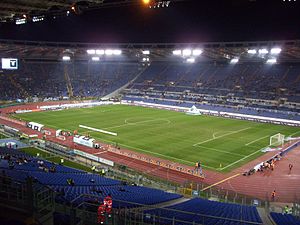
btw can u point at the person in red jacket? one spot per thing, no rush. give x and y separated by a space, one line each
101 213
108 203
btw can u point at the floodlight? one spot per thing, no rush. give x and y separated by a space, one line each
108 52
66 58
275 51
263 51
190 60
21 21
95 58
197 52
234 60
146 2
271 61
37 18
99 52
91 51
177 52
252 51
146 52
186 52
144 59
117 52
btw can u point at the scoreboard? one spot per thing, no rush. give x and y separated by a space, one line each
9 64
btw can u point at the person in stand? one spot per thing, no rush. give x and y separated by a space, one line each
101 214
286 209
273 195
196 167
93 169
290 168
200 168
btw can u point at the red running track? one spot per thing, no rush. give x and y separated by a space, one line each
259 185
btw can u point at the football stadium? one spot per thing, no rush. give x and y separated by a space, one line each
117 122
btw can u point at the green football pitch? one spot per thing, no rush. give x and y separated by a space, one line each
220 144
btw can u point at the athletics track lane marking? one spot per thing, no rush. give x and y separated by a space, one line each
222 181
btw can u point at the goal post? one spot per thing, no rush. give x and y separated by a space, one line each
277 140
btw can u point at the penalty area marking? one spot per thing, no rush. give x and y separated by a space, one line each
251 142
98 130
224 135
231 164
294 133
218 150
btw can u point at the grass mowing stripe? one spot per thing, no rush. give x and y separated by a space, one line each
174 140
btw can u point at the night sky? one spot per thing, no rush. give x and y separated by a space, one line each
187 21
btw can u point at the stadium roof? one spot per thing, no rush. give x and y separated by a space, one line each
11 9
211 51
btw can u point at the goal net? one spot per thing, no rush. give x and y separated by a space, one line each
277 140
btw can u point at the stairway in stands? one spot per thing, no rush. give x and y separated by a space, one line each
68 81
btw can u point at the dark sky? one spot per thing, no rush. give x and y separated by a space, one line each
186 21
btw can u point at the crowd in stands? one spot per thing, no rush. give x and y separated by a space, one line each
249 80
47 79
255 89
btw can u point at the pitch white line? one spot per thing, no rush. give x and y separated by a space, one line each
253 153
218 150
294 133
98 130
154 153
126 123
145 121
256 140
224 135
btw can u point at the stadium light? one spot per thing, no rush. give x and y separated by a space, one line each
117 52
100 52
146 2
197 52
252 51
190 60
95 58
275 51
37 18
146 52
177 52
91 51
271 61
234 60
21 21
108 52
186 52
263 51
66 58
